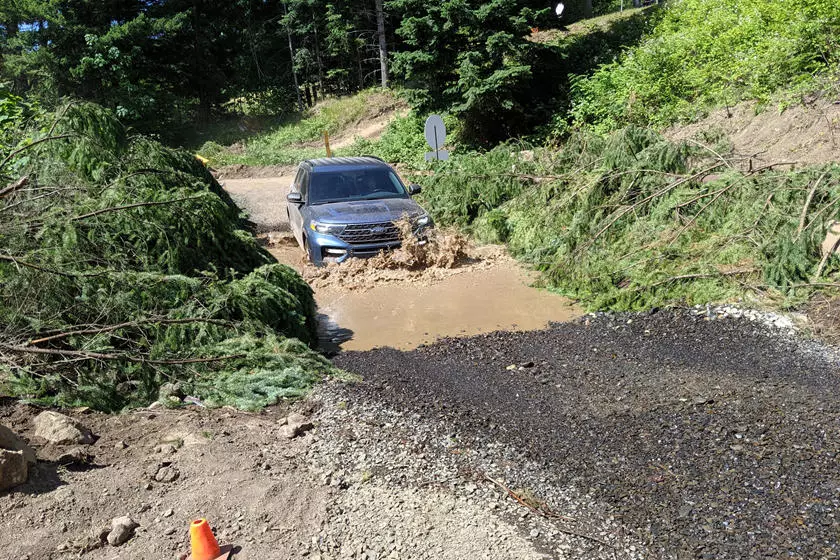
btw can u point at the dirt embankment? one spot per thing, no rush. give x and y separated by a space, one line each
806 133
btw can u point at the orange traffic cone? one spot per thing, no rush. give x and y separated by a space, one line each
204 545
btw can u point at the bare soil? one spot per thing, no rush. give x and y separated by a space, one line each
807 133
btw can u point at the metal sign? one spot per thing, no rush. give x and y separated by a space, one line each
436 137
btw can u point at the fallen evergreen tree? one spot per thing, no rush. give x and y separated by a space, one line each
630 220
124 265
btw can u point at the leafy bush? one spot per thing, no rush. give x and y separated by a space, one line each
707 53
123 265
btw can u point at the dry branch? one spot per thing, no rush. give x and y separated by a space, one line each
26 264
701 275
548 514
648 198
11 155
19 184
808 204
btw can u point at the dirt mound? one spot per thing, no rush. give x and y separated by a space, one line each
808 133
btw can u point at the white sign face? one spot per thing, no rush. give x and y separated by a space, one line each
436 137
559 10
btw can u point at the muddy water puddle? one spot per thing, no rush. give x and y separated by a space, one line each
472 302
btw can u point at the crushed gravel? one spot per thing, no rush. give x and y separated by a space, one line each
704 435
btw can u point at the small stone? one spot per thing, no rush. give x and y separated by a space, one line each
169 531
167 474
120 445
168 513
122 529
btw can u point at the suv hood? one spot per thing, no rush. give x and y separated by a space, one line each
364 211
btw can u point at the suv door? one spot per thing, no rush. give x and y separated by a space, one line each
296 210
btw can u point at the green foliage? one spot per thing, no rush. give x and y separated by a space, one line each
630 221
704 54
302 137
403 141
472 58
126 262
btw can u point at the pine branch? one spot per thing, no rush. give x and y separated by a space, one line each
128 324
106 357
13 154
129 206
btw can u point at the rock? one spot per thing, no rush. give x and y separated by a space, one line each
167 473
14 469
122 529
13 442
120 445
168 513
296 425
75 456
61 429
168 390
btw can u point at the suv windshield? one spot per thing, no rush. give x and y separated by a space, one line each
343 185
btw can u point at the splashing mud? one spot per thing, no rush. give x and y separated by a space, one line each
443 253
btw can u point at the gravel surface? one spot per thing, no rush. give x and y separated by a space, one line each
707 437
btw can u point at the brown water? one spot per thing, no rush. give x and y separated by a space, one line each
493 293
473 302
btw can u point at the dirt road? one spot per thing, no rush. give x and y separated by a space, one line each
405 309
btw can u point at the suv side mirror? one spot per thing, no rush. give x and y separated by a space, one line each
414 188
294 198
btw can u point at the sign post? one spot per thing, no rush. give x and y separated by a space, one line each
436 137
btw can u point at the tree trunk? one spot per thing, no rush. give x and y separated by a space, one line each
383 44
587 9
318 55
292 58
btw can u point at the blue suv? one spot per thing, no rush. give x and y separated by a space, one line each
344 207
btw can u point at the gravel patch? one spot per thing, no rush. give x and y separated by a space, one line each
704 435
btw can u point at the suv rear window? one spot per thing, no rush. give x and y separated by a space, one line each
344 185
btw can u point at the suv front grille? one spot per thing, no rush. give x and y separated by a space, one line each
361 234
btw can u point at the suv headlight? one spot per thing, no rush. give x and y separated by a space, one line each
329 229
422 221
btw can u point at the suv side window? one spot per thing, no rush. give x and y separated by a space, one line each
304 184
298 179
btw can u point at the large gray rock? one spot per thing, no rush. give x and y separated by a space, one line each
61 429
13 469
122 529
13 442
